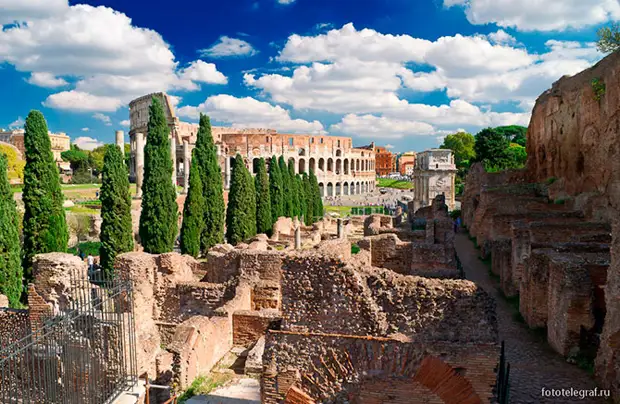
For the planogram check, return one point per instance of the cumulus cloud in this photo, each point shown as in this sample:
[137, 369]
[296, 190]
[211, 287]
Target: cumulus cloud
[101, 48]
[21, 10]
[535, 15]
[85, 129]
[125, 123]
[103, 118]
[286, 2]
[371, 126]
[18, 123]
[249, 112]
[229, 47]
[82, 102]
[87, 143]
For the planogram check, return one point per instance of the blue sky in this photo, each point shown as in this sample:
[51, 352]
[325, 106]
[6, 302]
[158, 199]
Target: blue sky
[402, 73]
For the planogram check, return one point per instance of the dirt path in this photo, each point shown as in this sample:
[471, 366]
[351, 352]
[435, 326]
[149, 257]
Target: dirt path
[534, 365]
[244, 390]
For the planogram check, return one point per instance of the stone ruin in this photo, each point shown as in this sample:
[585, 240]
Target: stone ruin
[552, 230]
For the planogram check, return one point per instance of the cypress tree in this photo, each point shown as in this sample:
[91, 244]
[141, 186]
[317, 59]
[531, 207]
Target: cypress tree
[212, 186]
[264, 222]
[295, 202]
[275, 190]
[193, 212]
[159, 216]
[310, 200]
[301, 193]
[317, 201]
[286, 188]
[45, 226]
[10, 265]
[241, 211]
[116, 227]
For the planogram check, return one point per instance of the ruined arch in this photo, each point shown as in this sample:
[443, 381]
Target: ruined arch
[322, 189]
[338, 153]
[346, 166]
[302, 166]
[338, 188]
[312, 165]
[321, 164]
[345, 188]
[330, 164]
[338, 166]
[330, 189]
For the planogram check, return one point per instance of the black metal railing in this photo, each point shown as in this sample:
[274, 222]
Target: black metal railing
[459, 266]
[84, 352]
[503, 378]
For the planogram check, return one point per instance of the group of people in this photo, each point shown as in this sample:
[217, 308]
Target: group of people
[89, 259]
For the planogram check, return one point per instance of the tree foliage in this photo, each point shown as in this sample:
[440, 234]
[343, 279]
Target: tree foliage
[45, 226]
[10, 259]
[116, 227]
[490, 147]
[317, 202]
[286, 188]
[241, 210]
[264, 222]
[276, 190]
[514, 133]
[301, 194]
[212, 185]
[310, 200]
[193, 211]
[77, 158]
[462, 145]
[15, 163]
[159, 216]
[295, 202]
[609, 38]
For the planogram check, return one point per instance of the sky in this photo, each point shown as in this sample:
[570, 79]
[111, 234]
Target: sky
[400, 73]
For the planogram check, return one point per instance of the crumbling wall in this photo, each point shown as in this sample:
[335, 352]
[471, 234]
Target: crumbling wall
[249, 326]
[376, 224]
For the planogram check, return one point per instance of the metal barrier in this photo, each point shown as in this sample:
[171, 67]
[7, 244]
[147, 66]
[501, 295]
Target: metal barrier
[503, 379]
[83, 354]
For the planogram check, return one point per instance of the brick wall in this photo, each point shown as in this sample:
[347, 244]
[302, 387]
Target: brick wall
[266, 295]
[249, 326]
[202, 298]
[14, 325]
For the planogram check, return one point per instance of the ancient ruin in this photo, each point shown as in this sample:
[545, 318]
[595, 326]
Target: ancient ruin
[434, 174]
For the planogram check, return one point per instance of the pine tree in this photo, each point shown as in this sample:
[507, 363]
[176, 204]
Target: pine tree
[286, 188]
[241, 211]
[193, 211]
[310, 200]
[116, 227]
[317, 201]
[45, 226]
[275, 190]
[10, 265]
[160, 215]
[212, 186]
[264, 222]
[301, 193]
[295, 203]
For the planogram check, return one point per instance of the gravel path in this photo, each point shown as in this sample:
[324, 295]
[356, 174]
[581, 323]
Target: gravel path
[533, 364]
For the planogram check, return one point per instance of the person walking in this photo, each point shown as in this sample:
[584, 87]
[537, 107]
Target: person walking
[91, 263]
[458, 223]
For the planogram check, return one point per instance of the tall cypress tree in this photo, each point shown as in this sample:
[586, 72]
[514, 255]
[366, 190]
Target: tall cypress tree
[10, 260]
[159, 217]
[193, 211]
[286, 188]
[212, 186]
[317, 201]
[301, 193]
[264, 222]
[45, 226]
[116, 227]
[241, 211]
[295, 202]
[275, 190]
[310, 200]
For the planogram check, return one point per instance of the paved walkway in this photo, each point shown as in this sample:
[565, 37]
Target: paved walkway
[533, 364]
[242, 391]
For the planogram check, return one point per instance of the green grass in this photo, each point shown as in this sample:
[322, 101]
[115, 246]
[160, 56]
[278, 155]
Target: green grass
[204, 385]
[89, 247]
[355, 248]
[390, 183]
[87, 210]
[341, 210]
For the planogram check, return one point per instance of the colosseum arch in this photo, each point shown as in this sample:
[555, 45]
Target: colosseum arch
[302, 166]
[338, 166]
[338, 189]
[357, 187]
[338, 153]
[346, 166]
[357, 165]
[330, 189]
[352, 165]
[322, 189]
[312, 165]
[330, 164]
[345, 188]
[321, 164]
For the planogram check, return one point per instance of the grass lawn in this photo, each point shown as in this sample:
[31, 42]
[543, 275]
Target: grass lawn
[390, 183]
[82, 191]
[343, 210]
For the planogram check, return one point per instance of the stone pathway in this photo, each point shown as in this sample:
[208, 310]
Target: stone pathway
[242, 391]
[533, 364]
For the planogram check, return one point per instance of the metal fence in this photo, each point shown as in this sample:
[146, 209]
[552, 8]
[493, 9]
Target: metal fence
[82, 353]
[368, 210]
[503, 379]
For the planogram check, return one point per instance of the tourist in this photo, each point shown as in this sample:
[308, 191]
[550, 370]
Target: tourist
[91, 263]
[454, 223]
[458, 223]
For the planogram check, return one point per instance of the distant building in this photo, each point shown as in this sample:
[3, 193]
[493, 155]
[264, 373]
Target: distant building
[433, 175]
[406, 163]
[60, 142]
[385, 160]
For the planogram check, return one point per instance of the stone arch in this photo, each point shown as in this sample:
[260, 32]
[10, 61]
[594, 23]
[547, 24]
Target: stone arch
[330, 164]
[322, 189]
[312, 165]
[338, 188]
[345, 188]
[330, 189]
[302, 166]
[346, 166]
[338, 153]
[338, 166]
[357, 165]
[321, 164]
[352, 165]
[357, 188]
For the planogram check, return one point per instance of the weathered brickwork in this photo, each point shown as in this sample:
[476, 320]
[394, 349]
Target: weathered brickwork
[249, 326]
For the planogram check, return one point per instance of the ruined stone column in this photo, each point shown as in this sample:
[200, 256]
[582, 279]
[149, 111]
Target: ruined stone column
[120, 140]
[186, 163]
[298, 237]
[139, 163]
[227, 172]
[340, 229]
[173, 156]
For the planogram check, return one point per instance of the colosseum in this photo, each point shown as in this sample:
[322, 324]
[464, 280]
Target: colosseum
[340, 168]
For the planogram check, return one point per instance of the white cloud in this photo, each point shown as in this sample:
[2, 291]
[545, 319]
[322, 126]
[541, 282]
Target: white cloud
[87, 143]
[229, 47]
[103, 118]
[101, 48]
[389, 146]
[29, 10]
[46, 80]
[286, 2]
[125, 123]
[371, 126]
[85, 129]
[501, 37]
[18, 123]
[537, 15]
[81, 102]
[249, 112]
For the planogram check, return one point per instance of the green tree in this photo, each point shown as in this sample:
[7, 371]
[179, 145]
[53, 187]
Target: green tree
[127, 155]
[295, 202]
[287, 195]
[514, 133]
[264, 220]
[462, 145]
[212, 185]
[14, 162]
[491, 148]
[10, 260]
[45, 226]
[516, 156]
[276, 190]
[159, 216]
[317, 202]
[241, 211]
[310, 200]
[301, 194]
[77, 158]
[116, 227]
[96, 159]
[193, 211]
[608, 38]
